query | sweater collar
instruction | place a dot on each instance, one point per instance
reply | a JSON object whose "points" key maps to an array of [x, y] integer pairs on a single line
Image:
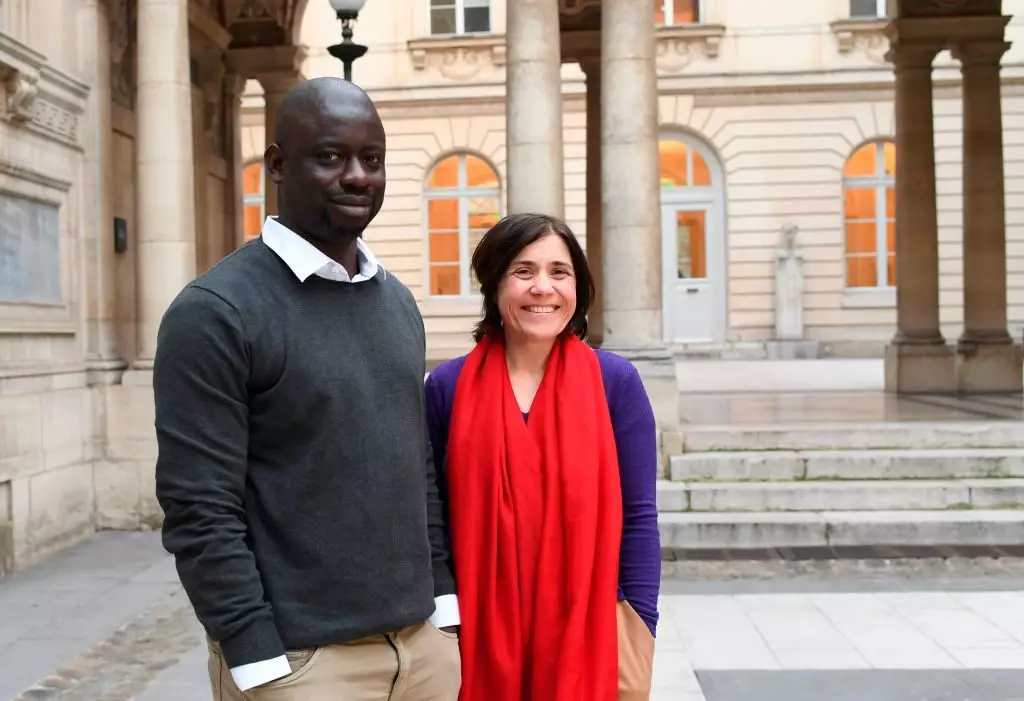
{"points": [[306, 260]]}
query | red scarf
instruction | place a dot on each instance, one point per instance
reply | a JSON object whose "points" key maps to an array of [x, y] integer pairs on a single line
{"points": [[536, 521]]}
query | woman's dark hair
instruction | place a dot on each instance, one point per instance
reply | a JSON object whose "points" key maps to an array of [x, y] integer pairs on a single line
{"points": [[506, 240]]}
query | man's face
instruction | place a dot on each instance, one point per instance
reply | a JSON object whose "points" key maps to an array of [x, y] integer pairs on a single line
{"points": [[330, 170]]}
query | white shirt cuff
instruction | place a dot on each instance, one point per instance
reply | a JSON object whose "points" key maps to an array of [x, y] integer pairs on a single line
{"points": [[446, 611], [257, 673]]}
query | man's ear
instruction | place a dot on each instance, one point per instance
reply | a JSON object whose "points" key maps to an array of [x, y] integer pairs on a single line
{"points": [[273, 161]]}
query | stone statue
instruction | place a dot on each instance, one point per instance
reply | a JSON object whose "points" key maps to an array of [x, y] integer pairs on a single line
{"points": [[789, 287]]}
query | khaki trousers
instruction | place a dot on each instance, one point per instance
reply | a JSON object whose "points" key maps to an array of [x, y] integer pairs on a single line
{"points": [[418, 663], [636, 655]]}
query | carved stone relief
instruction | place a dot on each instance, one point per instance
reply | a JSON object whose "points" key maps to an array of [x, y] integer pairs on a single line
{"points": [[122, 52], [461, 58], [678, 47], [29, 250], [20, 93]]}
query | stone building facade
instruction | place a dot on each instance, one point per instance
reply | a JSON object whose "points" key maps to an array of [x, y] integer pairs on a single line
{"points": [[680, 138]]}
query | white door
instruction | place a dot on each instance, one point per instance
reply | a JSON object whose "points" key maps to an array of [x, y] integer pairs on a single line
{"points": [[694, 283]]}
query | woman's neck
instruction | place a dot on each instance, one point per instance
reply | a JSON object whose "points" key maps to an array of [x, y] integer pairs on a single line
{"points": [[527, 357]]}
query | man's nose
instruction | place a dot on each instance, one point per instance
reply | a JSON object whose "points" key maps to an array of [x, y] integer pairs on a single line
{"points": [[354, 173]]}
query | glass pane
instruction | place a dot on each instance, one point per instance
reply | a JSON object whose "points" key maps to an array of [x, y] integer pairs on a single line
{"points": [[445, 174], [686, 12], [474, 240], [691, 256], [863, 162], [252, 179], [476, 19], [672, 155], [861, 238], [890, 203], [859, 203], [483, 212], [889, 157], [442, 20], [444, 247], [479, 173], [891, 270], [860, 271], [442, 3], [863, 8], [444, 280], [443, 215], [253, 220], [659, 13], [701, 175]]}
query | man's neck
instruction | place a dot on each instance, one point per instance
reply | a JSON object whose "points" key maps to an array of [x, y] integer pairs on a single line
{"points": [[345, 252]]}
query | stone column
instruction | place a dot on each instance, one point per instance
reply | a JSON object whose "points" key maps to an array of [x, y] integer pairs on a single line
{"points": [[988, 358], [595, 227], [103, 358], [917, 359], [165, 180], [275, 86], [630, 207], [536, 182], [234, 86]]}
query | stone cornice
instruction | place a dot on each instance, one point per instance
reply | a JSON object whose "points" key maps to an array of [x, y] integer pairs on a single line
{"points": [[459, 57], [37, 96], [252, 62]]}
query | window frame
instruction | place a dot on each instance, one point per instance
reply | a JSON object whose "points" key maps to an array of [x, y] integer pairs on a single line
{"points": [[881, 10], [260, 198], [668, 8], [462, 193], [880, 182], [460, 20]]}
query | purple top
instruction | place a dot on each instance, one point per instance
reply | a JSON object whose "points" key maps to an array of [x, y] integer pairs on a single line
{"points": [[636, 445]]}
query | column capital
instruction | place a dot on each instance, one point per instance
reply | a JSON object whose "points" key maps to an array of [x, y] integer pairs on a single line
{"points": [[911, 56], [979, 53], [252, 62], [278, 82]]}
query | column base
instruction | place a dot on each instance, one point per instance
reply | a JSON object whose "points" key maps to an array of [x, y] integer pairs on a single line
{"points": [[986, 368], [657, 369], [920, 369], [104, 371]]}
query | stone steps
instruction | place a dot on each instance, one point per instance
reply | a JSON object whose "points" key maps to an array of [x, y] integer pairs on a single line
{"points": [[859, 436], [857, 485], [854, 495], [824, 529], [840, 464]]}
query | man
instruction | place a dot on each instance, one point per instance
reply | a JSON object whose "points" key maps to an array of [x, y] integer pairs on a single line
{"points": [[299, 492]]}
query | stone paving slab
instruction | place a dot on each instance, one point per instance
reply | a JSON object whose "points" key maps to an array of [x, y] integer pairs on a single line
{"points": [[107, 621]]}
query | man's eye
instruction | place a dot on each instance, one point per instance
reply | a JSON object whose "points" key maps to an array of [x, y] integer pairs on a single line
{"points": [[329, 156], [374, 159]]}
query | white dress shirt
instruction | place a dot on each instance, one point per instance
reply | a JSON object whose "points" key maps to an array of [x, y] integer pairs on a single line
{"points": [[305, 260]]}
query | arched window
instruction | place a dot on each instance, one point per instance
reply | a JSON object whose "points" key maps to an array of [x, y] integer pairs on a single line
{"points": [[869, 215], [253, 201], [669, 13], [463, 201]]}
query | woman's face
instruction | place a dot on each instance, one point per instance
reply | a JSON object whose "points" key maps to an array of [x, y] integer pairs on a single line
{"points": [[537, 296]]}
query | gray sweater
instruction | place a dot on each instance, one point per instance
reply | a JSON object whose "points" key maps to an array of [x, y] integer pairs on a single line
{"points": [[300, 497]]}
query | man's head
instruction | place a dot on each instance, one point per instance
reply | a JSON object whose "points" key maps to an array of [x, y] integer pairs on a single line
{"points": [[327, 160]]}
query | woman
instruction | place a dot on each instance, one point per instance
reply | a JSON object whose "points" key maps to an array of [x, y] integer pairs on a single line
{"points": [[548, 452]]}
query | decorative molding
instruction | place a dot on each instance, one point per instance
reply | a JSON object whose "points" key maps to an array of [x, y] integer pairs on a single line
{"points": [[200, 18], [458, 57], [864, 35], [31, 175], [37, 96], [676, 47], [255, 61]]}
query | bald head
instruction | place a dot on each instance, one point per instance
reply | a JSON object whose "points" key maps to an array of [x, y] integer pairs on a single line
{"points": [[327, 160], [311, 99]]}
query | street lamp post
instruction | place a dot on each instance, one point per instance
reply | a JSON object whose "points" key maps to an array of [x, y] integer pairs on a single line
{"points": [[347, 51]]}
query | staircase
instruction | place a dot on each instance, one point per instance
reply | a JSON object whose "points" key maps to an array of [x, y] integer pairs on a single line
{"points": [[849, 485]]}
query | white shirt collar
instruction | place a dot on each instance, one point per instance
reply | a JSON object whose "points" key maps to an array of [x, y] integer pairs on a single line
{"points": [[305, 259]]}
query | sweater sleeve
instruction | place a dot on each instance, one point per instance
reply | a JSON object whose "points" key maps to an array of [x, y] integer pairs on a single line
{"points": [[200, 378], [636, 443]]}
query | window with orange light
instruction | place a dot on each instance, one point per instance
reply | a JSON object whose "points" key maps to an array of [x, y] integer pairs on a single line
{"points": [[463, 200], [669, 13], [869, 216], [253, 200], [683, 166]]}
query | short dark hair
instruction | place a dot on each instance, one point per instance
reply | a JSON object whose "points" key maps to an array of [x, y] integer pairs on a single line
{"points": [[500, 246]]}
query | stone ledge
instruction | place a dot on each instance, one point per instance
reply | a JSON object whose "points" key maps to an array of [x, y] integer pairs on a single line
{"points": [[458, 57]]}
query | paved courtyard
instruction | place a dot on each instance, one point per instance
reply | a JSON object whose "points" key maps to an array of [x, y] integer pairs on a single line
{"points": [[107, 621]]}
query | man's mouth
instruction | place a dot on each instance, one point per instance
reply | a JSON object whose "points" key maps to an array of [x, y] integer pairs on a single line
{"points": [[352, 201]]}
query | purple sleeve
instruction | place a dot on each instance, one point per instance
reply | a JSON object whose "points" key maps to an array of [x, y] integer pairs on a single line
{"points": [[636, 443]]}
